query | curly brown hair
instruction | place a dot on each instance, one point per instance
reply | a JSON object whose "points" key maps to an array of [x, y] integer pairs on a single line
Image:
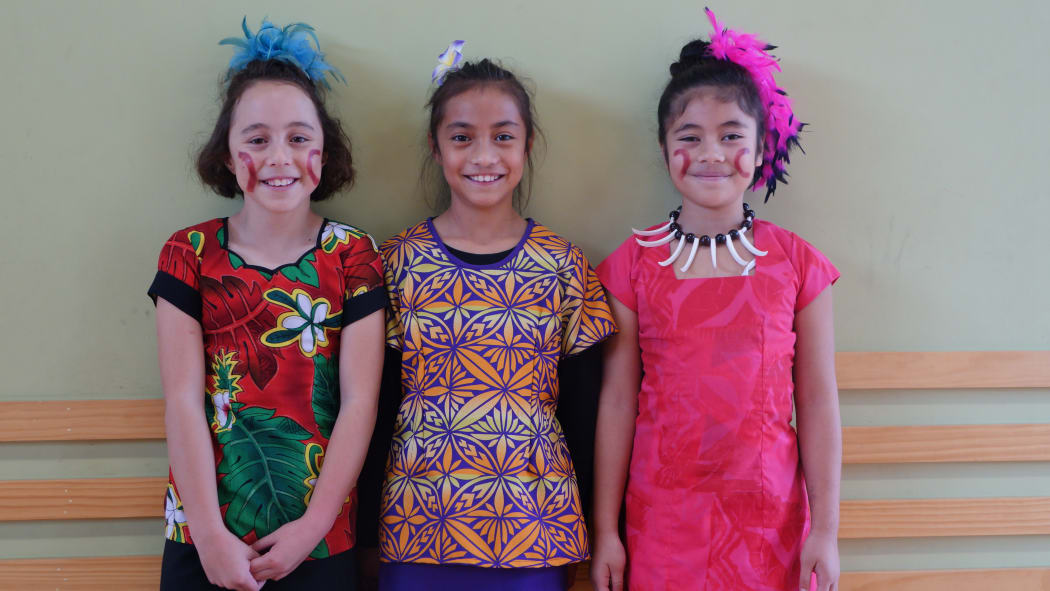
{"points": [[215, 154]]}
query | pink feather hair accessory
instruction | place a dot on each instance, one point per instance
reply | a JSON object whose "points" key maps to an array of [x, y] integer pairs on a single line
{"points": [[782, 129]]}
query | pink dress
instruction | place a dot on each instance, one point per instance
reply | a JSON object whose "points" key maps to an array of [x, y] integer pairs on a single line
{"points": [[715, 496]]}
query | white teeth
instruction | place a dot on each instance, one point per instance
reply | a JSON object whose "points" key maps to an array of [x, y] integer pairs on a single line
{"points": [[483, 178], [279, 182]]}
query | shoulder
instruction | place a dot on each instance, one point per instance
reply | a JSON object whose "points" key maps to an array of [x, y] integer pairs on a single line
{"points": [[565, 253], [625, 255], [198, 236], [339, 236], [411, 234], [793, 245]]}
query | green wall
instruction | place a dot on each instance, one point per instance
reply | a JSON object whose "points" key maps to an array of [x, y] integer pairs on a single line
{"points": [[924, 181]]}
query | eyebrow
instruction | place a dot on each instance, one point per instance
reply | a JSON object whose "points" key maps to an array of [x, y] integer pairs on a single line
{"points": [[465, 125], [256, 126], [691, 126]]}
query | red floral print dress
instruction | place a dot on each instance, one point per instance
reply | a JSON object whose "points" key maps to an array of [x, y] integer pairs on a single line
{"points": [[271, 341]]}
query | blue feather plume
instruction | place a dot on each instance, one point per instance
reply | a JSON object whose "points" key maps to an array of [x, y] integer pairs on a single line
{"points": [[290, 44]]}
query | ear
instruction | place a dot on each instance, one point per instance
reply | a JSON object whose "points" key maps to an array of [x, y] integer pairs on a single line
{"points": [[528, 145], [434, 152], [229, 165]]}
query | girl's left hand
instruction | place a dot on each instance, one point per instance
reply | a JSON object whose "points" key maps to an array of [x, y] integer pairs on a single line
{"points": [[288, 547], [820, 555]]}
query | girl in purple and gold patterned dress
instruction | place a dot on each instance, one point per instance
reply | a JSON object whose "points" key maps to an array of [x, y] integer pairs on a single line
{"points": [[480, 490]]}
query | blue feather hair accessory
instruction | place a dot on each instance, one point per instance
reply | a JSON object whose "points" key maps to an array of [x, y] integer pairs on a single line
{"points": [[290, 44]]}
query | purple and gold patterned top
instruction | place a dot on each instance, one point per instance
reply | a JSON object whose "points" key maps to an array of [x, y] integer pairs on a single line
{"points": [[479, 472]]}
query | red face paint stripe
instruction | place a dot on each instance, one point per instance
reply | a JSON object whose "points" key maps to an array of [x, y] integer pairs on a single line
{"points": [[246, 160], [685, 160], [736, 161], [310, 166]]}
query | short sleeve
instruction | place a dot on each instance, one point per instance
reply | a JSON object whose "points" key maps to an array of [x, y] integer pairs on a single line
{"points": [[815, 272], [585, 315], [178, 273], [615, 273], [395, 334], [362, 280]]}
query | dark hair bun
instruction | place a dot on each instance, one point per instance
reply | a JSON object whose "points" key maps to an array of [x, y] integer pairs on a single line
{"points": [[693, 53]]}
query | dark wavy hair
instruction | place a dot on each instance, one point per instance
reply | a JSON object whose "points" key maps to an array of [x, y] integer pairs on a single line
{"points": [[213, 157], [471, 75], [697, 69]]}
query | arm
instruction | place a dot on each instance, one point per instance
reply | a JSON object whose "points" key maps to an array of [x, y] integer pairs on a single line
{"points": [[360, 365], [617, 410], [180, 348], [820, 438]]}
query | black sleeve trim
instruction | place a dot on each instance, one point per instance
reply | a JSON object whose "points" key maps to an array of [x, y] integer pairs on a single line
{"points": [[176, 292], [360, 306]]}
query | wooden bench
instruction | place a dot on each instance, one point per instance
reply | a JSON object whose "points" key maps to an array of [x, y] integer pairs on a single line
{"points": [[118, 498]]}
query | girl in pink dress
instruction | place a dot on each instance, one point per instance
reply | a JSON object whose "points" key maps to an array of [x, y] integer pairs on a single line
{"points": [[725, 326]]}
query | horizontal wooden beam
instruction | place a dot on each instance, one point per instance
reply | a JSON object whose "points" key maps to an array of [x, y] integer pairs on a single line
{"points": [[81, 574], [143, 419], [947, 443], [119, 498], [923, 518], [81, 498], [942, 370], [82, 420], [1013, 579]]}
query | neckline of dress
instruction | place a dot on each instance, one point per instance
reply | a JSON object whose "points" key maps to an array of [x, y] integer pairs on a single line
{"points": [[225, 244], [530, 224]]}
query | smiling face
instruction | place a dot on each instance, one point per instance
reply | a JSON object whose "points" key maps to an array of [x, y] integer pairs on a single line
{"points": [[712, 151], [276, 146], [481, 146]]}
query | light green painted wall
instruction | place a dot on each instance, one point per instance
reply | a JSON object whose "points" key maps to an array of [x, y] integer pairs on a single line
{"points": [[923, 181]]}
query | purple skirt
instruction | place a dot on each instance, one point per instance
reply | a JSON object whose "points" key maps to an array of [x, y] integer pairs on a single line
{"points": [[406, 576]]}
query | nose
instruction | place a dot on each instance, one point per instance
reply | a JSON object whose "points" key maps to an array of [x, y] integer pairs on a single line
{"points": [[484, 154], [280, 154], [710, 152]]}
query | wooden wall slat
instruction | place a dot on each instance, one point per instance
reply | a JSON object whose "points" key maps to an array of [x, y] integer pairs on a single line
{"points": [[126, 573], [81, 498], [92, 420], [948, 443], [1012, 579], [922, 518], [942, 369], [117, 498], [81, 420]]}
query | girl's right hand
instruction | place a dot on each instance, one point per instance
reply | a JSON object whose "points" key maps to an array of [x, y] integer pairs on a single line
{"points": [[608, 563], [226, 560]]}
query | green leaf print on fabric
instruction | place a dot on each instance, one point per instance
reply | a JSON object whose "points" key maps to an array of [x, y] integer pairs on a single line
{"points": [[264, 471], [321, 551], [303, 272], [326, 394], [235, 261]]}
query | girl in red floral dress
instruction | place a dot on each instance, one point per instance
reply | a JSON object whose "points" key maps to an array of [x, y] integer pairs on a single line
{"points": [[725, 329], [270, 337]]}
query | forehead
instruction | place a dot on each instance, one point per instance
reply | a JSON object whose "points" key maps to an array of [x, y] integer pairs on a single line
{"points": [[275, 104], [482, 106], [708, 107]]}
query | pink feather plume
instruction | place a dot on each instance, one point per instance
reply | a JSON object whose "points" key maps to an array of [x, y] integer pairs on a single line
{"points": [[782, 129]]}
